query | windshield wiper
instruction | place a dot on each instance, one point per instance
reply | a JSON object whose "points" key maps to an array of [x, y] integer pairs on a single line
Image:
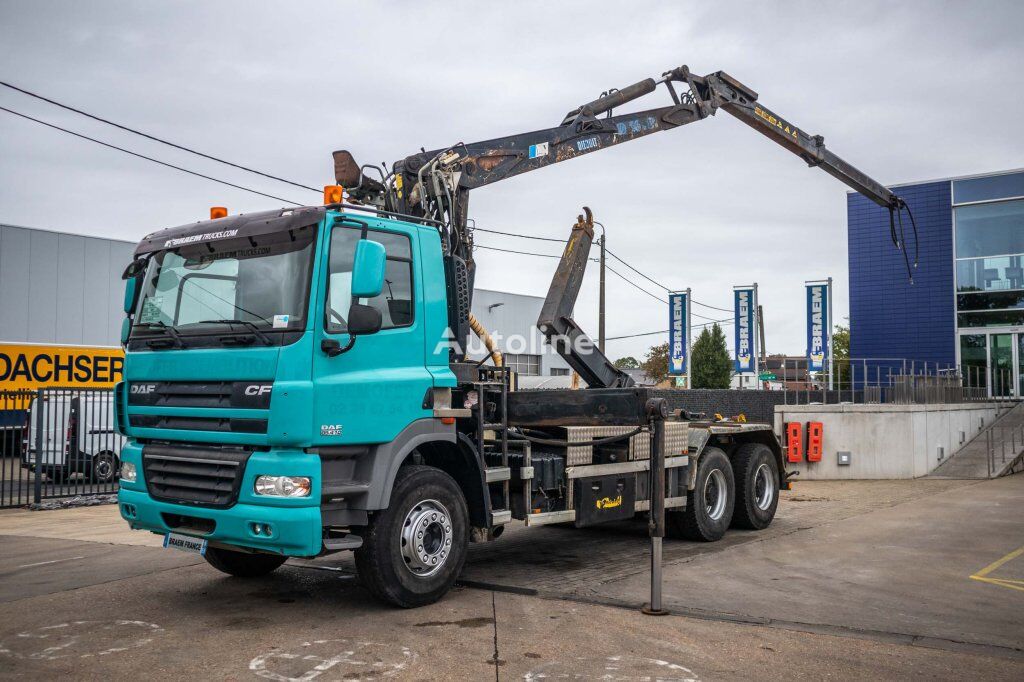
{"points": [[163, 327], [249, 325]]}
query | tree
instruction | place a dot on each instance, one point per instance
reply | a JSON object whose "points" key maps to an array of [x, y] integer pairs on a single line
{"points": [[710, 364], [628, 362], [655, 365], [841, 354]]}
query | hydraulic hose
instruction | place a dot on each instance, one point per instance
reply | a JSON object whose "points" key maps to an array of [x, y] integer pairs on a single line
{"points": [[489, 344]]}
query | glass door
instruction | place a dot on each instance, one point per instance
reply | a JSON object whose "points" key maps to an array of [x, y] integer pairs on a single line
{"points": [[974, 363], [1002, 368], [1020, 364]]}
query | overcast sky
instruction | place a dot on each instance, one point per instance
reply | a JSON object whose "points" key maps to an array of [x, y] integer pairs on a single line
{"points": [[905, 91]]}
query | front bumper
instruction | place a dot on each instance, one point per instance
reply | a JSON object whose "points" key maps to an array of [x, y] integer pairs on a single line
{"points": [[295, 523], [295, 531]]}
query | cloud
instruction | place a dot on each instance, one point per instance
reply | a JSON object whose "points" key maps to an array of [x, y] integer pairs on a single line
{"points": [[905, 92]]}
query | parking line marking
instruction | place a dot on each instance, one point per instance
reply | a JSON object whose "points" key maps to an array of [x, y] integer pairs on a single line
{"points": [[982, 575], [53, 561]]}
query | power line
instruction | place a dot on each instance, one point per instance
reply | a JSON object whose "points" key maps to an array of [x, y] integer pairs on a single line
{"points": [[665, 331], [155, 138], [149, 158], [521, 253], [637, 286], [609, 252], [521, 236]]}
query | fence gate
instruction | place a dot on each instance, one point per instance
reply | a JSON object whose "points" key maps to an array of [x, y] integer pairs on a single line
{"points": [[15, 479], [58, 443]]}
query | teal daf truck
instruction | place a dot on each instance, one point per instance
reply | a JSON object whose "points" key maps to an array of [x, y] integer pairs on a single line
{"points": [[296, 381]]}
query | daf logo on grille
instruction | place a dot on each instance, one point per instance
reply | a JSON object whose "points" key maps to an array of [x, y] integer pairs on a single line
{"points": [[257, 389], [143, 388]]}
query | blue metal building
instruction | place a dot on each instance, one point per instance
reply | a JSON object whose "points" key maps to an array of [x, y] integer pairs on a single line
{"points": [[965, 306]]}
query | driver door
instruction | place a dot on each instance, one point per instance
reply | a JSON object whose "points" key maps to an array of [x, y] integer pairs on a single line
{"points": [[370, 392]]}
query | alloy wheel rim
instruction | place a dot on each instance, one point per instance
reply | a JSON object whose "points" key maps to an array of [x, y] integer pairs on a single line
{"points": [[764, 487], [426, 538], [715, 493]]}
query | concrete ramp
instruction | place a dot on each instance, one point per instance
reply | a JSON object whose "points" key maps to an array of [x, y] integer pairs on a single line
{"points": [[996, 451]]}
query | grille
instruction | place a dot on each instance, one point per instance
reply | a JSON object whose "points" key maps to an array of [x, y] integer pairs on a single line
{"points": [[197, 476], [246, 394], [222, 424]]}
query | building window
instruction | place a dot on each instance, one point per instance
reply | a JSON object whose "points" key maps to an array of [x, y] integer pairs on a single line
{"points": [[989, 261], [523, 364], [988, 188], [559, 371]]}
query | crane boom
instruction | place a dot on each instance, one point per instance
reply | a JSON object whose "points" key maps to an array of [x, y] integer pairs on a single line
{"points": [[435, 185]]}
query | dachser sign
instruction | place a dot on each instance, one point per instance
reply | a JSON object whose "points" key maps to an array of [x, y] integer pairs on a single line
{"points": [[30, 366]]}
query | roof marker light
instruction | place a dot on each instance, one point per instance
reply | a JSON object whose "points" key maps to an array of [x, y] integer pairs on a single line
{"points": [[218, 212], [332, 194]]}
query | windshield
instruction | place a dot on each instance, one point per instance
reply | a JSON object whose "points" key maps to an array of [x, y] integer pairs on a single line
{"points": [[243, 285]]}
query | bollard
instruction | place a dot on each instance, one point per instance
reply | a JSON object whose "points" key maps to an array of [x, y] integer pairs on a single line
{"points": [[657, 411]]}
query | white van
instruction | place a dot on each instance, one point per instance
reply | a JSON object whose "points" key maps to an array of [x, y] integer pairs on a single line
{"points": [[78, 435]]}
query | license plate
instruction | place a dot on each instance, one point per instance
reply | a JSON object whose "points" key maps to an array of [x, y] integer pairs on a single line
{"points": [[185, 543]]}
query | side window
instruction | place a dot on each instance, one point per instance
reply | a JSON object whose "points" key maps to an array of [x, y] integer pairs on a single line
{"points": [[395, 301]]}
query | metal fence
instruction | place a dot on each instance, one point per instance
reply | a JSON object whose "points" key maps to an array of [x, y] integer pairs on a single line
{"points": [[893, 381], [1003, 445], [57, 443]]}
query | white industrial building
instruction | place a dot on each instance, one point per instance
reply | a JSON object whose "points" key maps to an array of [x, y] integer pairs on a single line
{"points": [[61, 288]]}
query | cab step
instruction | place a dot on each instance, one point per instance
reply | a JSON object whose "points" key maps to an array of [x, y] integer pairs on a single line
{"points": [[497, 474], [500, 517], [347, 542]]}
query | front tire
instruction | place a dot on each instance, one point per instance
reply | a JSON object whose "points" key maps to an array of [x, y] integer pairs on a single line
{"points": [[414, 550], [709, 506], [104, 467], [757, 486], [243, 564]]}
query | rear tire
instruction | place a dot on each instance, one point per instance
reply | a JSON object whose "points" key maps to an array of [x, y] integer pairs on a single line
{"points": [[243, 564], [426, 507], [757, 486], [709, 505]]}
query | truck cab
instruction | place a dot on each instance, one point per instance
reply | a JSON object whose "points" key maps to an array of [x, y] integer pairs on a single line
{"points": [[256, 417]]}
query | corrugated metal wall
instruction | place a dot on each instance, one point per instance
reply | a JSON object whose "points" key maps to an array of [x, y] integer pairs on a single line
{"points": [[60, 288], [889, 316]]}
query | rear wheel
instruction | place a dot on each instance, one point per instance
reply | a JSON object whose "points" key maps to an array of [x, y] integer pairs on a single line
{"points": [[757, 486], [709, 505], [414, 550], [243, 564]]}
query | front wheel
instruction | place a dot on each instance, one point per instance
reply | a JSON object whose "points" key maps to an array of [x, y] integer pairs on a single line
{"points": [[709, 505], [243, 564], [104, 467], [414, 550]]}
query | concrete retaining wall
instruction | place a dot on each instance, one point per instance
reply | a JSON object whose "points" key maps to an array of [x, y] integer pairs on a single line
{"points": [[886, 441]]}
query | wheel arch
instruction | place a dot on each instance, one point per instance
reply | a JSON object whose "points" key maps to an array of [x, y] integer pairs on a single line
{"points": [[762, 437]]}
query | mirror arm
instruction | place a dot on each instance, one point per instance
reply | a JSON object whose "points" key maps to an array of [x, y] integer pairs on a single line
{"points": [[334, 349]]}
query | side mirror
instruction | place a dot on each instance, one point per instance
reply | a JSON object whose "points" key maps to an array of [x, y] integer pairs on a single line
{"points": [[368, 270], [131, 290], [126, 330], [363, 319]]}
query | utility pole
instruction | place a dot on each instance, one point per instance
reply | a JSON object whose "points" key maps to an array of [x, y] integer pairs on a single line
{"points": [[760, 334], [600, 304]]}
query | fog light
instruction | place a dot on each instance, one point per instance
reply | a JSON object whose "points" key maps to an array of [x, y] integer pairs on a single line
{"points": [[283, 486], [128, 472]]}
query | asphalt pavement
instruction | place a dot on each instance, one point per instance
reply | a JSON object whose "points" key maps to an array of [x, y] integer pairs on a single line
{"points": [[901, 580]]}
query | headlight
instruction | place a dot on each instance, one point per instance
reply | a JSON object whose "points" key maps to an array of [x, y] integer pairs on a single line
{"points": [[284, 486], [128, 472]]}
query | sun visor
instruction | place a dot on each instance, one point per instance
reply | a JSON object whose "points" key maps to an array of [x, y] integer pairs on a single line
{"points": [[231, 227]]}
